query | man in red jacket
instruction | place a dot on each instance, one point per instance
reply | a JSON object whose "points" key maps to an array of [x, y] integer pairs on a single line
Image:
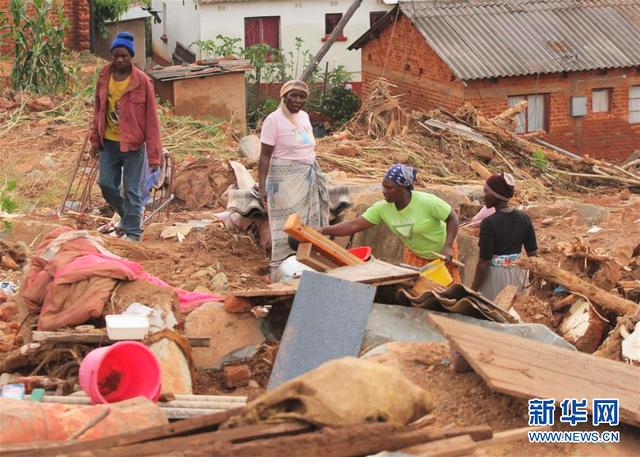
{"points": [[125, 131]]}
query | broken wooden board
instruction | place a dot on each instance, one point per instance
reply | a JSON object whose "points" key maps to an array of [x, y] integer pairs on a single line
{"points": [[97, 337], [333, 251], [309, 256], [375, 272], [186, 426], [327, 321], [525, 368]]}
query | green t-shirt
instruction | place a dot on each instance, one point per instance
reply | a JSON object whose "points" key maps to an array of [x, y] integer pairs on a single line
{"points": [[420, 225]]}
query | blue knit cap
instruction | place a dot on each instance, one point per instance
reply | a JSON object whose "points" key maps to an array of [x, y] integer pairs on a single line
{"points": [[400, 174], [124, 39]]}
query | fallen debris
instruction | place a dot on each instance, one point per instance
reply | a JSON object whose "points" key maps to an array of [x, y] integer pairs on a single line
{"points": [[574, 284], [522, 367]]}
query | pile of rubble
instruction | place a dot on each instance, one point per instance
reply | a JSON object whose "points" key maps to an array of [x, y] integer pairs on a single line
{"points": [[249, 369]]}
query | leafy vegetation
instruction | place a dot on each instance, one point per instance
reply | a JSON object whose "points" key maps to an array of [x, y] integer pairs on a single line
{"points": [[7, 205], [38, 45], [539, 159], [272, 66], [106, 11]]}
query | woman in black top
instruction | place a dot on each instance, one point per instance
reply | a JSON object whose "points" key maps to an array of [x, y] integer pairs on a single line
{"points": [[502, 236]]}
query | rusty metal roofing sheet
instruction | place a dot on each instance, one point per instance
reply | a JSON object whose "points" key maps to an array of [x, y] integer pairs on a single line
{"points": [[496, 38]]}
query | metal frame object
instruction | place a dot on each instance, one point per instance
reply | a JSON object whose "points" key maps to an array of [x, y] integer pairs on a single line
{"points": [[77, 197]]}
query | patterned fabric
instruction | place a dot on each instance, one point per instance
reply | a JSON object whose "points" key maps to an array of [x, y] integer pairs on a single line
{"points": [[410, 258], [294, 187], [403, 175], [508, 260]]}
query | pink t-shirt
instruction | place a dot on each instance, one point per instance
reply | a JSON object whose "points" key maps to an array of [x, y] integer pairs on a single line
{"points": [[290, 142]]}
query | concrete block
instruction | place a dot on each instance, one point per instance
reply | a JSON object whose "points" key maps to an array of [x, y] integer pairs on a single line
{"points": [[227, 333]]}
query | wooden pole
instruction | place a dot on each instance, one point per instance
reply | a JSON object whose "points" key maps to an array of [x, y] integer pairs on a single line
{"points": [[572, 283], [332, 38]]}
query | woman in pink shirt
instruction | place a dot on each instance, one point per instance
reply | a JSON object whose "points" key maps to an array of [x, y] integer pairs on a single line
{"points": [[290, 180]]}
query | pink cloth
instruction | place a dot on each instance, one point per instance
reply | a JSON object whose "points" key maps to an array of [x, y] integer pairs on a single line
{"points": [[76, 282], [482, 214], [289, 141], [188, 300]]}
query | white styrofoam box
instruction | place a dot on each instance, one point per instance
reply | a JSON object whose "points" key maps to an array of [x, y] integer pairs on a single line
{"points": [[127, 326]]}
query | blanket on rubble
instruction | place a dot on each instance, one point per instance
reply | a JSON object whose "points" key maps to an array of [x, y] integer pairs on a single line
{"points": [[71, 277]]}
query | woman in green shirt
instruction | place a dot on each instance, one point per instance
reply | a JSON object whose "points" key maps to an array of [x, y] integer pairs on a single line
{"points": [[425, 223]]}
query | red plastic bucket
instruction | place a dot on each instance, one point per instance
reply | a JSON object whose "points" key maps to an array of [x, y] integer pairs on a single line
{"points": [[363, 252], [121, 371]]}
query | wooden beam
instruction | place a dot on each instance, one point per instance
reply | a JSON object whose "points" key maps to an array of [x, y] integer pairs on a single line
{"points": [[573, 283], [333, 251], [509, 436], [337, 31], [451, 447], [187, 426], [231, 435], [337, 442], [96, 338]]}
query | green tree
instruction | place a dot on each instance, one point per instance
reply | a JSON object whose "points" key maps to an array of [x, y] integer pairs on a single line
{"points": [[106, 11]]}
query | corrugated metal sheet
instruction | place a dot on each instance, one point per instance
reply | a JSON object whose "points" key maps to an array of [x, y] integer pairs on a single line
{"points": [[496, 38]]}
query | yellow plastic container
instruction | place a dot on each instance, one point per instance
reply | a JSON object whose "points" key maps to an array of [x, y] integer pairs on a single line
{"points": [[437, 272]]}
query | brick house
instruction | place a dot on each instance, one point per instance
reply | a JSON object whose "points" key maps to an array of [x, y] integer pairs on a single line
{"points": [[577, 62], [77, 12]]}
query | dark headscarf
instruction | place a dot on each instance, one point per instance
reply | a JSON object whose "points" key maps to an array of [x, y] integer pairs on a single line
{"points": [[501, 185]]}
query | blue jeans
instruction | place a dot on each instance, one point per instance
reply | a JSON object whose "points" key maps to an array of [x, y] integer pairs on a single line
{"points": [[129, 168]]}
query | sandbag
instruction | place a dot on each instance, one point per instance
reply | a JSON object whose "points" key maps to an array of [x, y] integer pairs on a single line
{"points": [[24, 421], [341, 392]]}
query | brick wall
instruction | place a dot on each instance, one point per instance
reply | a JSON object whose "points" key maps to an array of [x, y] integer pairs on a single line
{"points": [[428, 83], [76, 12], [600, 135], [420, 76]]}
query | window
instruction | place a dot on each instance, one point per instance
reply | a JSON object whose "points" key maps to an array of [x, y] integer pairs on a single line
{"points": [[262, 30], [578, 106], [600, 100], [534, 117], [375, 16], [634, 104], [330, 22]]}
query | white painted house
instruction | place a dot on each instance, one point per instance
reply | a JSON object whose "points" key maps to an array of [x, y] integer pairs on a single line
{"points": [[275, 22]]}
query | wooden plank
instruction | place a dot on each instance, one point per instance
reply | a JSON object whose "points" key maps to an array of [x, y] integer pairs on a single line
{"points": [[452, 447], [527, 368], [294, 228], [339, 442], [509, 436], [374, 272], [187, 426], [308, 256], [99, 337], [232, 435]]}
